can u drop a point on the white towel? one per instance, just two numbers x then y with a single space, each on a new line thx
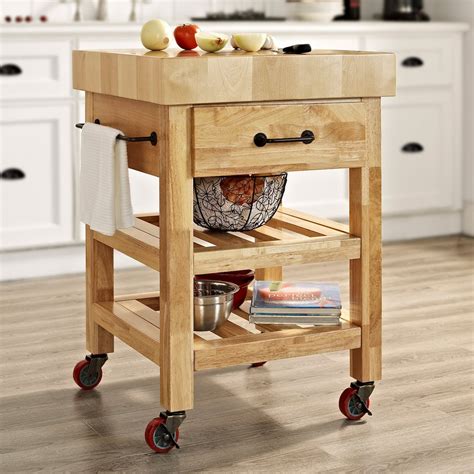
105 202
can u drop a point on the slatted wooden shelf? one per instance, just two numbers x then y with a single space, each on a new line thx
291 237
135 319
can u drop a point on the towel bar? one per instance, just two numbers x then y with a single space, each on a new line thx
152 138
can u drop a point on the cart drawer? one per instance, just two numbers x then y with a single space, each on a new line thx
225 143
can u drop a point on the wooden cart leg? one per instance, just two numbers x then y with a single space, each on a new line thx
366 272
176 260
271 273
99 287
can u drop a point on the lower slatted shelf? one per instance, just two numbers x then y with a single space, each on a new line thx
135 319
289 238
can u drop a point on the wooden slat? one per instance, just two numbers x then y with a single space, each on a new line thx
275 345
129 327
267 233
219 238
265 327
301 226
316 220
275 253
143 311
136 244
230 329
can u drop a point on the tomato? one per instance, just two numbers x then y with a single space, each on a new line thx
184 35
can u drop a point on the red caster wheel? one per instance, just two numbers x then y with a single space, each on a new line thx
258 364
354 401
88 373
158 436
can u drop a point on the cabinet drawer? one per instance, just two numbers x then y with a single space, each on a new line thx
421 61
39 71
419 152
224 138
36 192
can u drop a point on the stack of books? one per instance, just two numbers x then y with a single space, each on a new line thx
283 302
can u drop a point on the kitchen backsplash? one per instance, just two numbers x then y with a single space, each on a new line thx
171 10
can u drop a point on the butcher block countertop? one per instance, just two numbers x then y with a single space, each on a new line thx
191 77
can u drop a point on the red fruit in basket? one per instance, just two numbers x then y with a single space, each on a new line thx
43 18
28 18
8 19
18 19
185 35
242 189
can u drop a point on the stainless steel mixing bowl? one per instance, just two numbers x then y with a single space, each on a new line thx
213 301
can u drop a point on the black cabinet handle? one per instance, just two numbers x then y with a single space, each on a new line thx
12 173
412 61
10 70
260 139
412 147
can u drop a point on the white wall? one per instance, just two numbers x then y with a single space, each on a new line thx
171 10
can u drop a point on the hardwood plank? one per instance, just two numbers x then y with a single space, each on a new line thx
250 77
176 260
99 287
301 226
130 328
274 345
316 220
269 254
230 329
366 273
135 119
142 310
223 138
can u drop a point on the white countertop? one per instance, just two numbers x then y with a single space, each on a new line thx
101 28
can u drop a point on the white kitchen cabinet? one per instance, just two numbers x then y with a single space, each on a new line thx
42 70
36 209
421 61
418 150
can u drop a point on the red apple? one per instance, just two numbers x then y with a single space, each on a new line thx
184 35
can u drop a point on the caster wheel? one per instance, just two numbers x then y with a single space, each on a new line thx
158 437
350 405
258 364
84 377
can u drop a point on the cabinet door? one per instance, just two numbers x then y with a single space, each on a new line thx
324 193
420 153
36 200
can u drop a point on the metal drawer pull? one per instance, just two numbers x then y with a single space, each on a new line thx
12 173
10 70
412 61
260 139
152 138
412 147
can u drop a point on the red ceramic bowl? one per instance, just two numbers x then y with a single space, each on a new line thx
242 278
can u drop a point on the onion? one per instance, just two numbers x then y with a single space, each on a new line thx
211 42
156 35
250 41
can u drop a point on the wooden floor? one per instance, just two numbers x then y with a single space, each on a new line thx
279 418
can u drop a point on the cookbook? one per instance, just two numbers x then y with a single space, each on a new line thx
299 298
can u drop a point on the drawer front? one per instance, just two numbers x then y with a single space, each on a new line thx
36 187
39 71
224 138
421 61
419 152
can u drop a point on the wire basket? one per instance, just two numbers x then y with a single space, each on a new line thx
237 203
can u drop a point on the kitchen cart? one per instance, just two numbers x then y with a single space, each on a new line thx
202 115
